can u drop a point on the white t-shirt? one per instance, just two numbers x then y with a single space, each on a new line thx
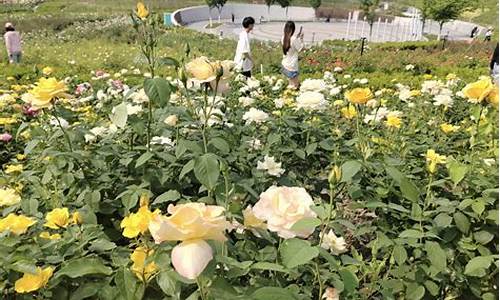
291 59
243 47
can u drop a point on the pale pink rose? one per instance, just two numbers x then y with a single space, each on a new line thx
5 137
190 258
282 207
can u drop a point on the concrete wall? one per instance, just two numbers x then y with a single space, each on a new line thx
276 13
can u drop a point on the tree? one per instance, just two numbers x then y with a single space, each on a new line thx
219 4
315 4
425 9
443 11
269 3
284 4
369 8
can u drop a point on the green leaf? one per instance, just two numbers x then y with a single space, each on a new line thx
295 252
411 234
478 207
443 220
84 266
188 167
101 245
206 170
24 266
436 255
306 224
86 290
264 265
409 190
462 222
127 285
119 116
350 169
169 61
167 283
349 279
158 90
432 287
300 153
395 174
220 144
171 195
273 293
457 171
477 266
483 237
143 159
415 292
400 255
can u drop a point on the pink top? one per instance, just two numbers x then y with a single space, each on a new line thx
12 41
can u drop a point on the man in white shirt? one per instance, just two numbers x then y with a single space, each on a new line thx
243 58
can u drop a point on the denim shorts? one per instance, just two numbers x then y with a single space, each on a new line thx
290 74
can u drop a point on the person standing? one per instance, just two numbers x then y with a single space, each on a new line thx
494 69
12 43
488 34
243 58
292 45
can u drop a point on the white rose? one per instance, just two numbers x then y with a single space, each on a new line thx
255 115
335 91
336 244
372 103
316 85
272 167
282 207
279 103
311 101
246 101
444 100
338 69
363 81
171 120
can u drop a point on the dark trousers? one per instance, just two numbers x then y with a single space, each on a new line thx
247 74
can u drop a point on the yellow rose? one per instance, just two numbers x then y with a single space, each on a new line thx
76 218
142 12
57 218
20 157
477 91
433 159
16 224
32 282
48 236
13 169
359 95
9 197
250 220
335 175
45 91
47 71
201 69
448 128
282 207
138 257
493 97
7 121
393 121
137 223
190 221
349 112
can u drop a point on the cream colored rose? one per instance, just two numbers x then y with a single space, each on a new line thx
335 244
311 101
201 69
282 207
171 120
9 197
190 221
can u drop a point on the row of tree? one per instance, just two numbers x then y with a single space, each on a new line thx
441 11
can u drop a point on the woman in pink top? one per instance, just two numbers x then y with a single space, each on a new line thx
13 43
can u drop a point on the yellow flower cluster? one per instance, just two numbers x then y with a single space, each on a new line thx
32 282
393 121
9 197
138 257
349 112
480 90
359 95
60 218
137 223
45 91
16 224
448 128
433 159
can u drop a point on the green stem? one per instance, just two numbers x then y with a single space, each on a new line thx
66 136
330 212
201 289
320 283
